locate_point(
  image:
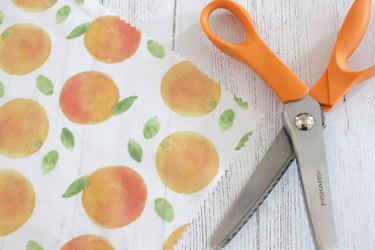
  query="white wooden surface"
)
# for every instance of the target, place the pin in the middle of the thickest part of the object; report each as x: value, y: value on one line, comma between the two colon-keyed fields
x: 302, y: 34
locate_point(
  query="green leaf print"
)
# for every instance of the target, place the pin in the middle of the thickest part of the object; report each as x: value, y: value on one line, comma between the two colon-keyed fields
x: 62, y: 13
x: 49, y: 161
x: 123, y: 105
x: 44, y: 85
x: 76, y: 187
x: 67, y: 139
x: 135, y: 150
x: 243, y: 140
x: 156, y: 49
x: 226, y: 119
x: 79, y: 30
x: 2, y: 89
x: 164, y: 209
x: 1, y: 17
x: 151, y: 128
x: 241, y: 103
x: 79, y: 2
x: 33, y: 245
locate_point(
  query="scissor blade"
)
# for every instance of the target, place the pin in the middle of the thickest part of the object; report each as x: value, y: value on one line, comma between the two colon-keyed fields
x: 312, y: 164
x: 267, y: 174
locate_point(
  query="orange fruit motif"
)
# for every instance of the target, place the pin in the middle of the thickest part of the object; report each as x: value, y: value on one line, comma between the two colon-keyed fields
x: 189, y: 92
x: 174, y: 237
x: 34, y: 5
x: 111, y: 40
x: 186, y: 162
x: 24, y: 128
x: 114, y: 197
x: 24, y: 47
x: 88, y: 97
x: 17, y: 200
x: 88, y: 242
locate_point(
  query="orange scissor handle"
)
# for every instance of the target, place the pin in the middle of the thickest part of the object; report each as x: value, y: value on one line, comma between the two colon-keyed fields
x: 254, y: 53
x: 338, y: 78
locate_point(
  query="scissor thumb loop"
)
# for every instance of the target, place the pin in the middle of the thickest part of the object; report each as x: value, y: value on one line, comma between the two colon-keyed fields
x: 237, y: 10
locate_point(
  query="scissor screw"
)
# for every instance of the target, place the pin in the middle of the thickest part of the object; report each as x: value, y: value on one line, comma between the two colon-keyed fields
x: 304, y: 121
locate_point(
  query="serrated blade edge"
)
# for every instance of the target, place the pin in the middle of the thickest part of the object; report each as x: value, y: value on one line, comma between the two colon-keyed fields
x: 269, y: 171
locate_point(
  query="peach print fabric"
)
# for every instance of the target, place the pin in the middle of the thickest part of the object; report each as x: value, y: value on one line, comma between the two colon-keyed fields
x: 107, y: 139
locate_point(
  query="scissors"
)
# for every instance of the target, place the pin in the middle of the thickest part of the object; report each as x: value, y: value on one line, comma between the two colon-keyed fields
x: 301, y: 137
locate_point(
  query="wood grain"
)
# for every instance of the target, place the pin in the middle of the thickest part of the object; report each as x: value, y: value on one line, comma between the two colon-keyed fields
x: 302, y: 33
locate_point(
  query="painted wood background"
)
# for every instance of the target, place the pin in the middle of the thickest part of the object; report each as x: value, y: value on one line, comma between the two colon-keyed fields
x: 302, y: 34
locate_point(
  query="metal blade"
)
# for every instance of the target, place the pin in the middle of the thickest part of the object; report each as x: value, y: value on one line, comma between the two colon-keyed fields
x: 308, y: 145
x: 265, y: 177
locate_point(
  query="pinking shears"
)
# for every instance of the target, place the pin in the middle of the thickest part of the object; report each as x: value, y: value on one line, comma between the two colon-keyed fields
x: 301, y: 137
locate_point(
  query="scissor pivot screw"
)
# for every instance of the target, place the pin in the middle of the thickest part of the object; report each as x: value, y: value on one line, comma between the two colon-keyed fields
x: 304, y: 121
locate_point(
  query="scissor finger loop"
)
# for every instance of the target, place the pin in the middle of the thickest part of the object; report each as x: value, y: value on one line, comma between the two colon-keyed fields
x: 366, y: 73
